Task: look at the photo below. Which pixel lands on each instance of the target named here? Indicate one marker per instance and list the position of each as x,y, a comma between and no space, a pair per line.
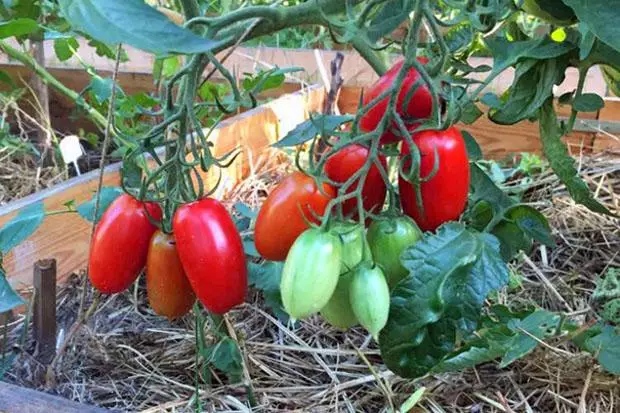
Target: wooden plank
15,399
66,237
44,314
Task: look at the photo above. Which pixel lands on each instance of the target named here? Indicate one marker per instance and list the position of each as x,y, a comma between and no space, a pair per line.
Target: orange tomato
169,291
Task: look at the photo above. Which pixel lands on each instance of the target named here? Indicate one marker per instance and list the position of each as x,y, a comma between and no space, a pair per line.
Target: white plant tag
71,150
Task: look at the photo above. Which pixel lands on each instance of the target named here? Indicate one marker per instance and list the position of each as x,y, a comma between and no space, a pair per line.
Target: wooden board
66,237
14,399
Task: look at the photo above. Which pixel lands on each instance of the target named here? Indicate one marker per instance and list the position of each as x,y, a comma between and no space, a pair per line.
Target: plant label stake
44,321
71,151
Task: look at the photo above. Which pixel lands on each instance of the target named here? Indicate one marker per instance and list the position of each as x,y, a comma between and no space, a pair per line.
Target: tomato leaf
9,299
531,222
64,48
387,19
474,153
18,27
22,226
6,78
588,102
607,346
225,356
108,195
600,17
611,74
533,84
587,40
562,164
507,53
266,277
320,124
451,274
116,21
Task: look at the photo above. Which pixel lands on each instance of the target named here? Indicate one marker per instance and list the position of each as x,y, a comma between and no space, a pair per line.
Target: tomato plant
415,107
342,165
444,170
211,252
120,244
285,214
167,286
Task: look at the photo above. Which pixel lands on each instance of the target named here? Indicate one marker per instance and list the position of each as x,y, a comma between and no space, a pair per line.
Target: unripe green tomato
370,297
388,238
311,272
354,245
338,311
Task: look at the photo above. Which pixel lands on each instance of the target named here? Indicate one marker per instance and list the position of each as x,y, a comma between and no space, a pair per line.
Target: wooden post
44,314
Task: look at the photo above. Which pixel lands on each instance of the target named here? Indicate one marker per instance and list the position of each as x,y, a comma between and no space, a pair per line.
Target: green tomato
311,272
553,11
388,238
338,311
369,294
354,245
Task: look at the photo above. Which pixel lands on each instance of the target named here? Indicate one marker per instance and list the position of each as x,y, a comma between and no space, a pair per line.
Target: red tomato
444,196
120,244
167,286
341,166
281,218
420,106
211,252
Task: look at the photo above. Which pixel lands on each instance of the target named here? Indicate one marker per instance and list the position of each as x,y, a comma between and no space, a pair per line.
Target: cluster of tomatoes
204,258
346,271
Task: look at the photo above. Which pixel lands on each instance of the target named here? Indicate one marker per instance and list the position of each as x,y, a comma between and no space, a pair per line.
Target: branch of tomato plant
48,78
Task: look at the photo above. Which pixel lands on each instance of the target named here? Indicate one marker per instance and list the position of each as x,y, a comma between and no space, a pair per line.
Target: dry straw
127,358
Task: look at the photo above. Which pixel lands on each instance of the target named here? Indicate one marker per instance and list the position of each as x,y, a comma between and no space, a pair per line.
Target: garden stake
44,321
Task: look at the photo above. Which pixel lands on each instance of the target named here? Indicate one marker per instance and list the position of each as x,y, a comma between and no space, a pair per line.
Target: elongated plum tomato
311,272
444,196
420,105
282,218
342,165
168,289
369,295
211,251
120,244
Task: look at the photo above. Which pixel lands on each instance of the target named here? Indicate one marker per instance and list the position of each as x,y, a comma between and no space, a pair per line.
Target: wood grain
14,399
66,237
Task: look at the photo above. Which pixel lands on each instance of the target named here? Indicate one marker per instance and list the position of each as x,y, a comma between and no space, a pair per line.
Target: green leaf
6,78
612,78
135,23
451,273
607,346
540,324
245,210
513,239
531,222
9,299
474,153
588,102
587,41
226,357
266,277
18,27
562,164
323,125
108,195
101,88
600,17
507,53
533,85
470,113
104,50
22,226
64,48
387,19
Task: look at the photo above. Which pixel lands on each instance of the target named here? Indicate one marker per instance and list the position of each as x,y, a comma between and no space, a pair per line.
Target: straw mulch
129,359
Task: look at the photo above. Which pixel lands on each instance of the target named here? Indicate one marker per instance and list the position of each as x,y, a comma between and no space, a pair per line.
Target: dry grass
128,358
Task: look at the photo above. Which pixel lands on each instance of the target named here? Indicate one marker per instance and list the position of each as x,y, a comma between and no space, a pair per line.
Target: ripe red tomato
120,244
341,166
167,286
211,251
444,196
281,218
420,105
